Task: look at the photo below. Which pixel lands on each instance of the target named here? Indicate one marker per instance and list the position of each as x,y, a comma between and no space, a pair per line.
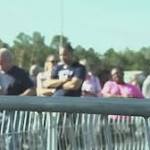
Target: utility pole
61,22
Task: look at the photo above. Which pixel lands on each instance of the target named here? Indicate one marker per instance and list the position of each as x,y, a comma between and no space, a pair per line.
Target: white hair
6,54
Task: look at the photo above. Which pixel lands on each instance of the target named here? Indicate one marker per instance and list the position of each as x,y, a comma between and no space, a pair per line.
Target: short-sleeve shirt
121,89
60,71
91,84
5,81
114,88
21,82
146,87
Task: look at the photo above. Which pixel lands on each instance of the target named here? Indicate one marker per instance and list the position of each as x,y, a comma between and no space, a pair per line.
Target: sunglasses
52,61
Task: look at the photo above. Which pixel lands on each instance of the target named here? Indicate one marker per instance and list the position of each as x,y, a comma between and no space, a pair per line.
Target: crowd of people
65,76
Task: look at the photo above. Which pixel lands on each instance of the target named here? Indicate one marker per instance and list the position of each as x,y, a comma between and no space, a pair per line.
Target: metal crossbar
118,106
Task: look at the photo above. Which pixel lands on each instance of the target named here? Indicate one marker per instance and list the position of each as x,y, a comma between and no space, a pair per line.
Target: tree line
33,49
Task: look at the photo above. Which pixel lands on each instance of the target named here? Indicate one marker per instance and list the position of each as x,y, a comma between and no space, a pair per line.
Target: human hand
127,95
65,79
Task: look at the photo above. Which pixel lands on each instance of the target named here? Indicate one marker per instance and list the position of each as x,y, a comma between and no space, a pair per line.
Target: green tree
90,55
39,49
112,58
55,43
22,49
3,44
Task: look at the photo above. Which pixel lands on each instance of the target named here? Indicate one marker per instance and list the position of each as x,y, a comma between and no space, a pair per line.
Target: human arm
54,83
75,82
137,93
40,89
44,91
27,84
110,90
110,95
29,92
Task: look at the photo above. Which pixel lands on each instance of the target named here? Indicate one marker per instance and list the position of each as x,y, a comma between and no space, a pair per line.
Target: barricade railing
69,123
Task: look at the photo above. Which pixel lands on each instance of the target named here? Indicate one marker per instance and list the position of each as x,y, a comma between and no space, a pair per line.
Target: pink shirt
121,90
91,84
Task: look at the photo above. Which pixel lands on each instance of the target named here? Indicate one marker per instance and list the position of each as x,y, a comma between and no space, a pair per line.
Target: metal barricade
66,131
27,130
64,125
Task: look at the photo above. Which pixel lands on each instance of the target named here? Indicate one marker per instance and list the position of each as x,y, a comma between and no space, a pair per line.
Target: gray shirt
146,87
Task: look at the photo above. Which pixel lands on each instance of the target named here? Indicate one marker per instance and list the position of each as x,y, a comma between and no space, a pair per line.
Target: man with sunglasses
42,90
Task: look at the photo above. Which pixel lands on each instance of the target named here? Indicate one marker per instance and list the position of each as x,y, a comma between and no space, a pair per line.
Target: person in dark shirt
21,83
68,76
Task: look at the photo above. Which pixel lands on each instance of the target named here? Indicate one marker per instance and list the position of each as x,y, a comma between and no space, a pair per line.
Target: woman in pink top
118,88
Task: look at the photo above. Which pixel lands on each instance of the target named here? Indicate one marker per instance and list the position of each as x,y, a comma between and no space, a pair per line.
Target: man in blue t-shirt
68,76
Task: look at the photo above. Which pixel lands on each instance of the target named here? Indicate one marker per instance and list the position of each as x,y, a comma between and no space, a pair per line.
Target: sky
100,24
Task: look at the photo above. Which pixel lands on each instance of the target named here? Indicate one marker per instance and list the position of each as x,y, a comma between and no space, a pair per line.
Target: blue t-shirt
74,70
21,82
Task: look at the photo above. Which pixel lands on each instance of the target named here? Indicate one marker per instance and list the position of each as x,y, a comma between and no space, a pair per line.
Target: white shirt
5,81
91,84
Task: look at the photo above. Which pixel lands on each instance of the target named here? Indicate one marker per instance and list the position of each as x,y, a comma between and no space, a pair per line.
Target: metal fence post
147,131
51,131
12,143
108,135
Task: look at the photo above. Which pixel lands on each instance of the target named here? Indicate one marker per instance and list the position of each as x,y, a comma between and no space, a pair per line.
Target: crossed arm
29,92
67,84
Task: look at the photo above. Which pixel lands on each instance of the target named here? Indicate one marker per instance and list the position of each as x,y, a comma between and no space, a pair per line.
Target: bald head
6,54
6,58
